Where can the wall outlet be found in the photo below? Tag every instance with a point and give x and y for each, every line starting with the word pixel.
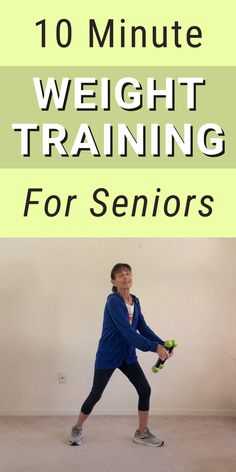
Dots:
pixel 61 377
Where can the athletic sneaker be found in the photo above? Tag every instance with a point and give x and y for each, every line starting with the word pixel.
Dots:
pixel 147 438
pixel 76 436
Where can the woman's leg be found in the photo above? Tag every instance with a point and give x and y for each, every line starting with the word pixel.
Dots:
pixel 143 420
pixel 81 419
pixel 100 380
pixel 137 377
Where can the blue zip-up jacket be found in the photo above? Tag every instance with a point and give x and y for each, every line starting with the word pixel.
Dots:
pixel 119 339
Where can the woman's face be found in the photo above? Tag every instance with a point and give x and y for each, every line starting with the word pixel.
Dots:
pixel 123 279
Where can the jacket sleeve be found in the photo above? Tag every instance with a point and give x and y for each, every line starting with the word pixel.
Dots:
pixel 118 314
pixel 144 329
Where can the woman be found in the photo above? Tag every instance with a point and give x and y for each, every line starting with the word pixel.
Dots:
pixel 116 349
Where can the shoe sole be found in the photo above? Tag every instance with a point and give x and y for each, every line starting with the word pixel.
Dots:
pixel 139 441
pixel 73 443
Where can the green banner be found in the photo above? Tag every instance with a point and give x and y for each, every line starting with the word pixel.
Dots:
pixel 138 117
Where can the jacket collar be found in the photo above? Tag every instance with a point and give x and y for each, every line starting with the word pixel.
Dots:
pixel 117 294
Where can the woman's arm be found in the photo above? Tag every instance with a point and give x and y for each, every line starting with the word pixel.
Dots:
pixel 118 314
pixel 144 329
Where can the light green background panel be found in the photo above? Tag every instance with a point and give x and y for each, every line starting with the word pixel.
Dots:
pixel 105 220
pixel 20 38
pixel 20 41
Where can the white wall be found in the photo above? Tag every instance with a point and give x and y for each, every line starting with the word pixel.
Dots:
pixel 52 294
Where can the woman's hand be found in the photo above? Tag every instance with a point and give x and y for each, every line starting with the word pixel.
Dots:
pixel 163 353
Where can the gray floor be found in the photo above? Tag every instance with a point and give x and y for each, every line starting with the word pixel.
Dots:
pixel 193 444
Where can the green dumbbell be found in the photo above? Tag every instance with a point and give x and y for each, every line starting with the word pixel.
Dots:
pixel 169 345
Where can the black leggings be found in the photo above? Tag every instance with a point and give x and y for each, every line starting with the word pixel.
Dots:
pixel 101 378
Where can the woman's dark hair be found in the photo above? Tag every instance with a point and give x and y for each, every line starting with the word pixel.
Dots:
pixel 117 268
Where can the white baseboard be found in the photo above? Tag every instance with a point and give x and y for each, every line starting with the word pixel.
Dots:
pixel 153 412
